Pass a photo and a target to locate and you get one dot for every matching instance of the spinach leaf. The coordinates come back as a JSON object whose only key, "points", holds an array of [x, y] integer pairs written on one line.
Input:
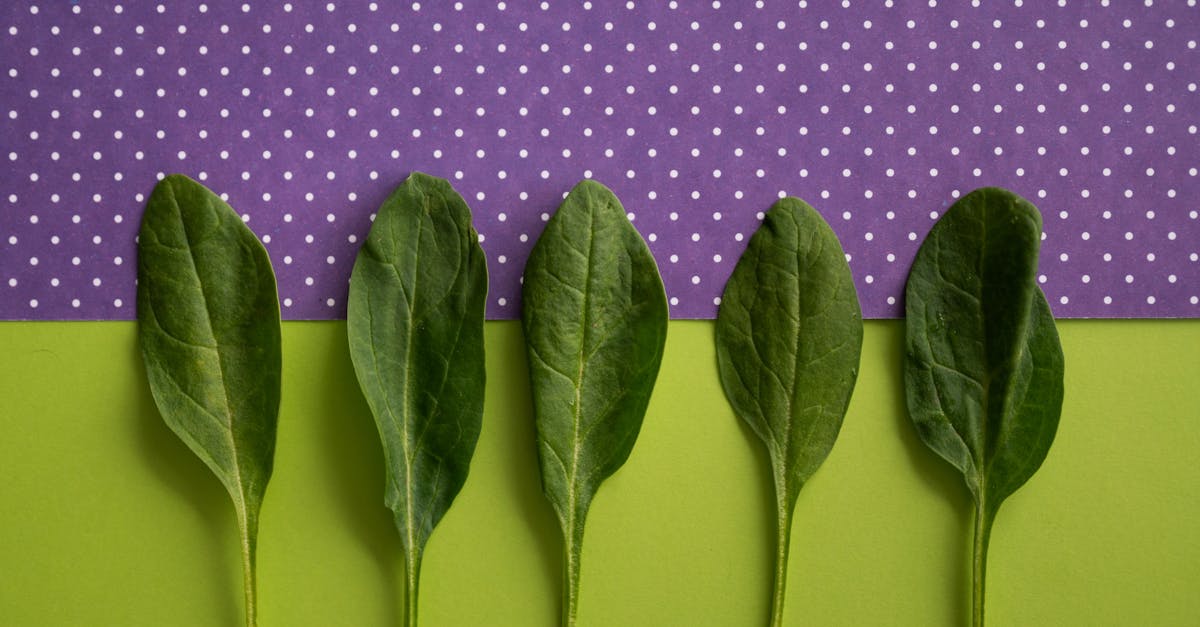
{"points": [[208, 325], [415, 326], [789, 336], [983, 369], [595, 322]]}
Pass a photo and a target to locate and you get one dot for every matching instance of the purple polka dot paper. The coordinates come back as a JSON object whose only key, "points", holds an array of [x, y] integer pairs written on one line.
{"points": [[699, 115]]}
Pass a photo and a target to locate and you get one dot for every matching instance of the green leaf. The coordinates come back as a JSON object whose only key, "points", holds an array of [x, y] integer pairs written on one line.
{"points": [[789, 336], [595, 320], [983, 370], [415, 325], [208, 325]]}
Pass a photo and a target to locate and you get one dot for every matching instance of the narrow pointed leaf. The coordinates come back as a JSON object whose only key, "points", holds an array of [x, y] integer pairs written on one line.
{"points": [[415, 325], [789, 336], [595, 320], [983, 368], [208, 325]]}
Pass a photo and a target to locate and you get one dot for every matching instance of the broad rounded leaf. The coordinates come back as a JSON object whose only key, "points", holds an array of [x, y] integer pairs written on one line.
{"points": [[595, 319], [983, 368], [789, 337], [415, 324], [208, 325]]}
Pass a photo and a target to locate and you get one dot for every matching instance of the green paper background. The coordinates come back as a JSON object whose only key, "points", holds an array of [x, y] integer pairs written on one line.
{"points": [[108, 519]]}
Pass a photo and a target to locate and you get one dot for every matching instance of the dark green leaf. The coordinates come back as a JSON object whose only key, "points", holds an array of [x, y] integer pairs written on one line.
{"points": [[415, 323], [789, 336], [208, 324], [984, 368], [595, 321]]}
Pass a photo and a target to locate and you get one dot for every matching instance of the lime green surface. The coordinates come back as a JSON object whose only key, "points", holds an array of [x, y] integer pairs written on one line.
{"points": [[108, 519]]}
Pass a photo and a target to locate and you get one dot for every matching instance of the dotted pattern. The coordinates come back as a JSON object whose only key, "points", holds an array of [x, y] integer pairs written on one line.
{"points": [[304, 115]]}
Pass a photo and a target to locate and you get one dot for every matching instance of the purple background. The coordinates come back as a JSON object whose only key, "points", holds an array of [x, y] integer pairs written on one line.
{"points": [[698, 115]]}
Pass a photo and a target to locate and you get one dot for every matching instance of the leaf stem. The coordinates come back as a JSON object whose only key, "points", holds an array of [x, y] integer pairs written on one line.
{"points": [[783, 541], [248, 525], [572, 550], [983, 533], [412, 576]]}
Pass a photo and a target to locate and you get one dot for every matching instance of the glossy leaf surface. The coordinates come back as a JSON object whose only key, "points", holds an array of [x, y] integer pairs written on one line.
{"points": [[415, 325], [595, 320], [984, 369], [208, 325], [789, 336]]}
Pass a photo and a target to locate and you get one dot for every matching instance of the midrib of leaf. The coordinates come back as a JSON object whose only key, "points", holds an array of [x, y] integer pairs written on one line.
{"points": [[413, 558], [1009, 365], [985, 512], [239, 496], [783, 484], [208, 328], [798, 336], [574, 536]]}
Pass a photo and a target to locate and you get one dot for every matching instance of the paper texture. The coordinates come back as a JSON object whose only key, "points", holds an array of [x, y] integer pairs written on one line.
{"points": [[698, 115]]}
